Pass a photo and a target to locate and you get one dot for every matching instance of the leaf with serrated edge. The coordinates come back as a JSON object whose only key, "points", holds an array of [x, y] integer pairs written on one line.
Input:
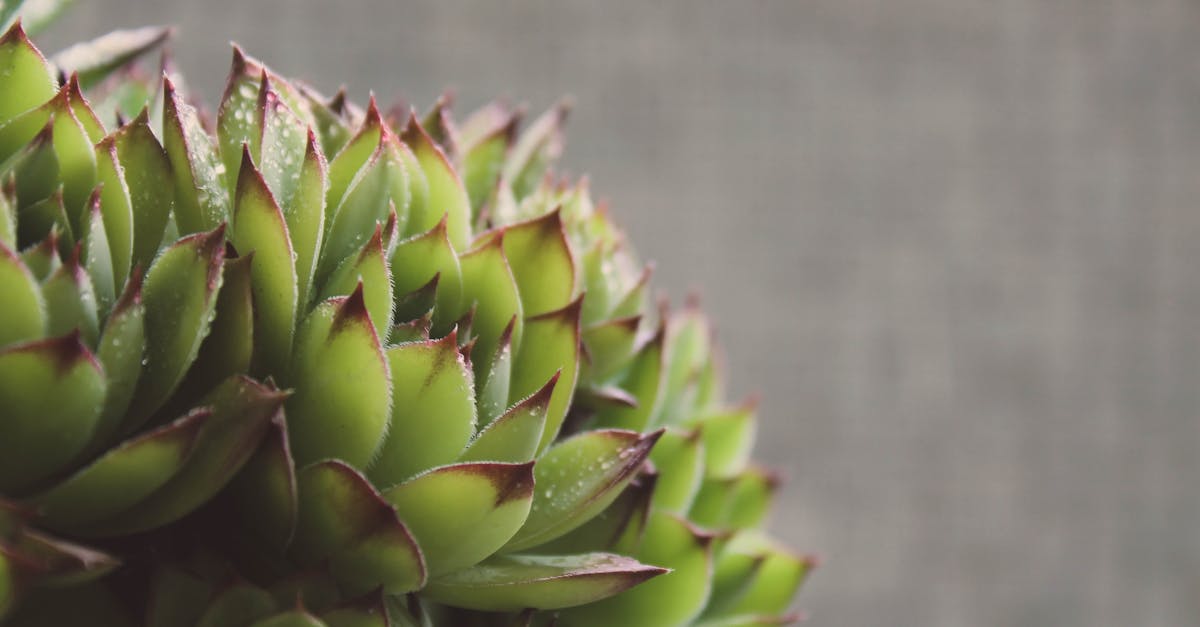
{"points": [[433, 410], [462, 513], [513, 582], [577, 478], [343, 385], [52, 392]]}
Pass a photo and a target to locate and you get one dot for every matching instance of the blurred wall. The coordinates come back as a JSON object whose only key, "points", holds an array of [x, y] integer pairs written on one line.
{"points": [[956, 243]]}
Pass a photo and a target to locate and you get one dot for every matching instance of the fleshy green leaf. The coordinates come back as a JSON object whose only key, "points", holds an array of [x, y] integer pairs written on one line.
{"points": [[514, 582], [343, 519], [577, 478], [541, 263], [514, 436], [71, 301], [239, 604], [433, 410], [550, 345], [148, 173], [447, 198], [643, 380], [180, 296], [673, 599], [679, 457], [23, 316], [123, 476], [537, 148], [609, 345], [266, 489], [484, 159], [461, 514], [418, 259], [369, 269], [116, 209], [488, 284], [241, 409], [120, 350], [283, 144], [202, 200], [295, 618], [259, 226], [343, 385], [26, 78], [305, 215], [728, 439], [52, 392]]}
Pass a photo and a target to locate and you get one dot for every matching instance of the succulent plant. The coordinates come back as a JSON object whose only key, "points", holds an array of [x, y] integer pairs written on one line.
{"points": [[306, 363]]}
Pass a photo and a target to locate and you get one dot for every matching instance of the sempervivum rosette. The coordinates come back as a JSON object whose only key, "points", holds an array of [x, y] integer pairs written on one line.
{"points": [[318, 365]]}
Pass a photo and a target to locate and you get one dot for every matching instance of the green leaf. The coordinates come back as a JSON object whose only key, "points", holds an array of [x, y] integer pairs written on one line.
{"points": [[513, 582], [343, 386], [610, 346], [689, 348], [52, 562], [147, 170], [95, 60], [23, 316], [122, 476], [579, 477], [8, 221], [497, 380], [462, 513], [728, 439], [227, 349], [676, 598], [353, 157], [266, 489], [381, 184], [120, 350], [368, 268], [488, 284], [369, 611], [643, 380], [538, 147], [550, 345], [97, 258], [71, 301], [484, 159], [202, 200], [42, 259], [433, 410], [447, 198], [239, 121], [241, 409], [621, 524], [180, 296], [343, 519], [52, 391], [26, 78], [774, 583], [283, 144], [514, 436], [542, 263], [679, 457], [738, 501], [37, 177], [116, 208], [76, 163], [305, 215], [417, 260], [259, 227]]}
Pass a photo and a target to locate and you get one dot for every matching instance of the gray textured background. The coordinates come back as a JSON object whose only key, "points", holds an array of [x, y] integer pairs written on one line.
{"points": [[954, 242]]}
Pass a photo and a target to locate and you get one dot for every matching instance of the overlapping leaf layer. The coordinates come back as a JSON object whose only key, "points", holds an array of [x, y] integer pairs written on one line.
{"points": [[303, 363]]}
